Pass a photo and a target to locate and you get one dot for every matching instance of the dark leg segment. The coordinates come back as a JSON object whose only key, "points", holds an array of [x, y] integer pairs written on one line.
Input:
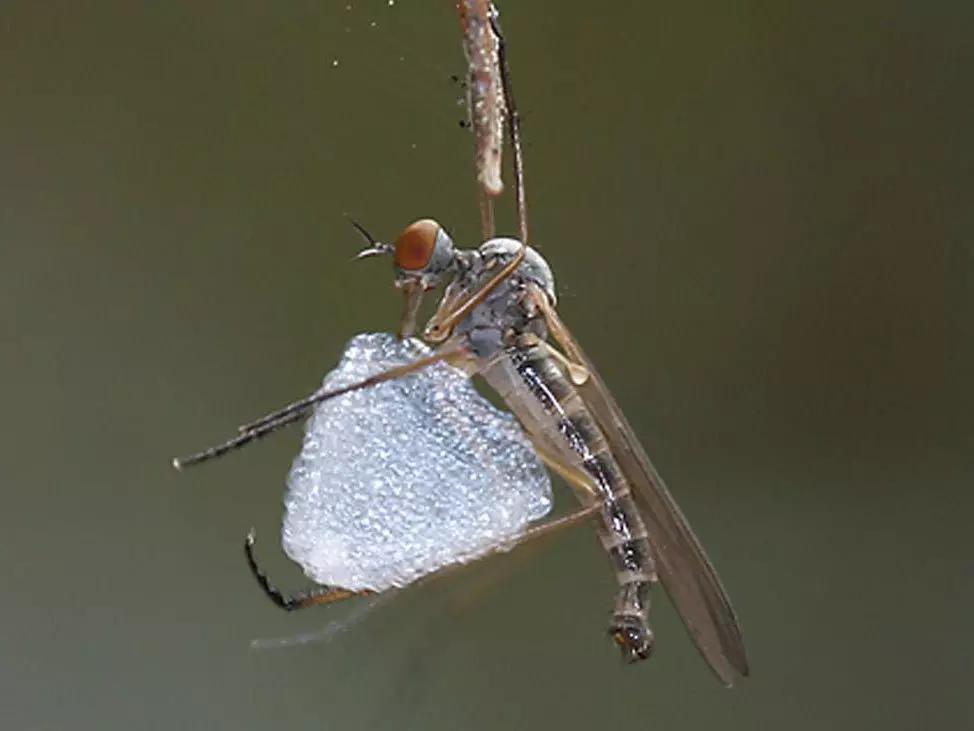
{"points": [[321, 595]]}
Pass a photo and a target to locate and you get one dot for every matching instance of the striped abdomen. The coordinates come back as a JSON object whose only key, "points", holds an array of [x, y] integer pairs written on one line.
{"points": [[553, 412]]}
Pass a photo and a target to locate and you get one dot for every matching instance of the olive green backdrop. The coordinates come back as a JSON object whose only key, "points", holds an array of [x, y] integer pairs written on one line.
{"points": [[760, 218]]}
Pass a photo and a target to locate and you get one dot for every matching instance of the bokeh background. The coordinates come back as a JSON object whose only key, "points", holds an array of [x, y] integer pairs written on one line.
{"points": [[760, 218]]}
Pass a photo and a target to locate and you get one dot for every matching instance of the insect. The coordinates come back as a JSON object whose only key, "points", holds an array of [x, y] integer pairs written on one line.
{"points": [[497, 318]]}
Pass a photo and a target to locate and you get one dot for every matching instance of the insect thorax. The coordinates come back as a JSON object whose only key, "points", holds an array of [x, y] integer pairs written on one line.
{"points": [[508, 312]]}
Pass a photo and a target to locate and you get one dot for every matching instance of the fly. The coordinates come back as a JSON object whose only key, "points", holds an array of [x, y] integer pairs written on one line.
{"points": [[497, 318]]}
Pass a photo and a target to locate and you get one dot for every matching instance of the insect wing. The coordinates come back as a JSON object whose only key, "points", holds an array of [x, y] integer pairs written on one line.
{"points": [[685, 570]]}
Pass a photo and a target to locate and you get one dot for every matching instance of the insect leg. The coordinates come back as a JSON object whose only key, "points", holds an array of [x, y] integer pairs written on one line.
{"points": [[322, 395], [558, 329], [295, 411], [514, 128], [320, 595], [330, 594]]}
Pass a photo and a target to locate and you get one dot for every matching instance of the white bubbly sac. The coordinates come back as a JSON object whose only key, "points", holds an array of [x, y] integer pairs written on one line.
{"points": [[400, 479]]}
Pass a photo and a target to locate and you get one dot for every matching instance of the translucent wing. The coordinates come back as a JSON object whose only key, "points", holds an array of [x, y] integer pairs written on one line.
{"points": [[685, 571], [409, 476]]}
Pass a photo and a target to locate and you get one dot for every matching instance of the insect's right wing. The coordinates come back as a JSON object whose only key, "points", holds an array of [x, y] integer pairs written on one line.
{"points": [[687, 574]]}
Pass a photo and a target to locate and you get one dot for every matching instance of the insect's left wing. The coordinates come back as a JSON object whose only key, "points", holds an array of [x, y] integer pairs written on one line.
{"points": [[685, 570]]}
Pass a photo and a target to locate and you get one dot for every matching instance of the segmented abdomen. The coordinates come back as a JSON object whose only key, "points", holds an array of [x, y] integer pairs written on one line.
{"points": [[553, 412]]}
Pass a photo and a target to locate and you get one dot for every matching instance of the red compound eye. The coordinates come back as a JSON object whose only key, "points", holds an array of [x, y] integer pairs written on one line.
{"points": [[414, 247]]}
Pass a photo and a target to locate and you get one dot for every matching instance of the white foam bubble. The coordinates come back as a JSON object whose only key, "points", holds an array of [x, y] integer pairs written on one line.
{"points": [[400, 479]]}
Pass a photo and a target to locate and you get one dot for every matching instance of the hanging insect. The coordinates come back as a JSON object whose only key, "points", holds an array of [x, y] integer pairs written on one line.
{"points": [[497, 319]]}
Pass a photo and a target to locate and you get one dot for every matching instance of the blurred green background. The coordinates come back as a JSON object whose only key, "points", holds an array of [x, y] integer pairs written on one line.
{"points": [[760, 218]]}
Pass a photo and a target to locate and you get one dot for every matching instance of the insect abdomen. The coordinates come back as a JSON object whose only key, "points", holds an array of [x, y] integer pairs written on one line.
{"points": [[554, 405]]}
